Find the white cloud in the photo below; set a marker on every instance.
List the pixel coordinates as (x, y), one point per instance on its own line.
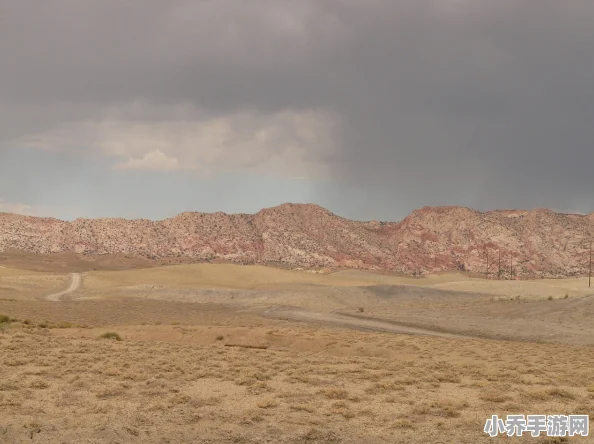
(155, 161)
(285, 143)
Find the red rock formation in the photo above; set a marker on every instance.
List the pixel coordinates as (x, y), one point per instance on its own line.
(431, 239)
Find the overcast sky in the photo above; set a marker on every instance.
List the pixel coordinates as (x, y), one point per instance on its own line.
(147, 108)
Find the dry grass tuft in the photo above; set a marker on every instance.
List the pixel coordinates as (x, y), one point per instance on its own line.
(111, 335)
(316, 436)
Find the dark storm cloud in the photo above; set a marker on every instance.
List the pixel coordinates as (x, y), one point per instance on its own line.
(480, 103)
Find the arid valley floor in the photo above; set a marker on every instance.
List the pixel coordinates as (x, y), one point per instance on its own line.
(219, 353)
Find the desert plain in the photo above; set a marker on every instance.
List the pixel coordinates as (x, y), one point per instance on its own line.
(223, 353)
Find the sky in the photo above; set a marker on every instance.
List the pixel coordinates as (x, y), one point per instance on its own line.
(148, 108)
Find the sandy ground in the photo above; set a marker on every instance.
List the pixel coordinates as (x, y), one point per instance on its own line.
(545, 310)
(23, 285)
(231, 354)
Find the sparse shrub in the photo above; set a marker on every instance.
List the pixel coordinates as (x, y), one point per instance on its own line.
(251, 416)
(361, 309)
(33, 428)
(561, 393)
(318, 436)
(449, 377)
(566, 296)
(439, 408)
(39, 384)
(111, 335)
(267, 403)
(404, 424)
(4, 319)
(109, 392)
(494, 396)
(42, 325)
(550, 298)
(180, 398)
(302, 407)
(202, 402)
(548, 394)
(220, 337)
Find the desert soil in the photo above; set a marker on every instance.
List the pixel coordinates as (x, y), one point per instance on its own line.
(237, 354)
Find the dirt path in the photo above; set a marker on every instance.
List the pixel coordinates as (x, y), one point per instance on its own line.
(296, 314)
(74, 284)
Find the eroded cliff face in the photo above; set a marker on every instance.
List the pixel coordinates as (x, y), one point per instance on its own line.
(538, 242)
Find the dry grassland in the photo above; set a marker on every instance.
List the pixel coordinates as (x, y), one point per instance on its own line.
(229, 276)
(206, 372)
(28, 285)
(195, 384)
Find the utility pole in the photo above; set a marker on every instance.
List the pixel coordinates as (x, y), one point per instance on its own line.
(499, 270)
(511, 267)
(487, 272)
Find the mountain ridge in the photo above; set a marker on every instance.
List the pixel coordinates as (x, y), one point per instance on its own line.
(538, 242)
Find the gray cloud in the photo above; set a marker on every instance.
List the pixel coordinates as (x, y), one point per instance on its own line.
(471, 102)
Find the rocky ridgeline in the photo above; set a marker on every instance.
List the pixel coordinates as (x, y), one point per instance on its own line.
(538, 242)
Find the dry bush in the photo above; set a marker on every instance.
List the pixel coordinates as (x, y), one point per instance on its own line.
(111, 335)
(342, 408)
(404, 424)
(267, 403)
(303, 407)
(315, 436)
(494, 396)
(38, 384)
(444, 408)
(541, 395)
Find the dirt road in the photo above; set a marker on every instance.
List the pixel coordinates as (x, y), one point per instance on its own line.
(339, 320)
(74, 284)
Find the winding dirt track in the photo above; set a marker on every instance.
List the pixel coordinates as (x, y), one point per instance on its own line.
(74, 284)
